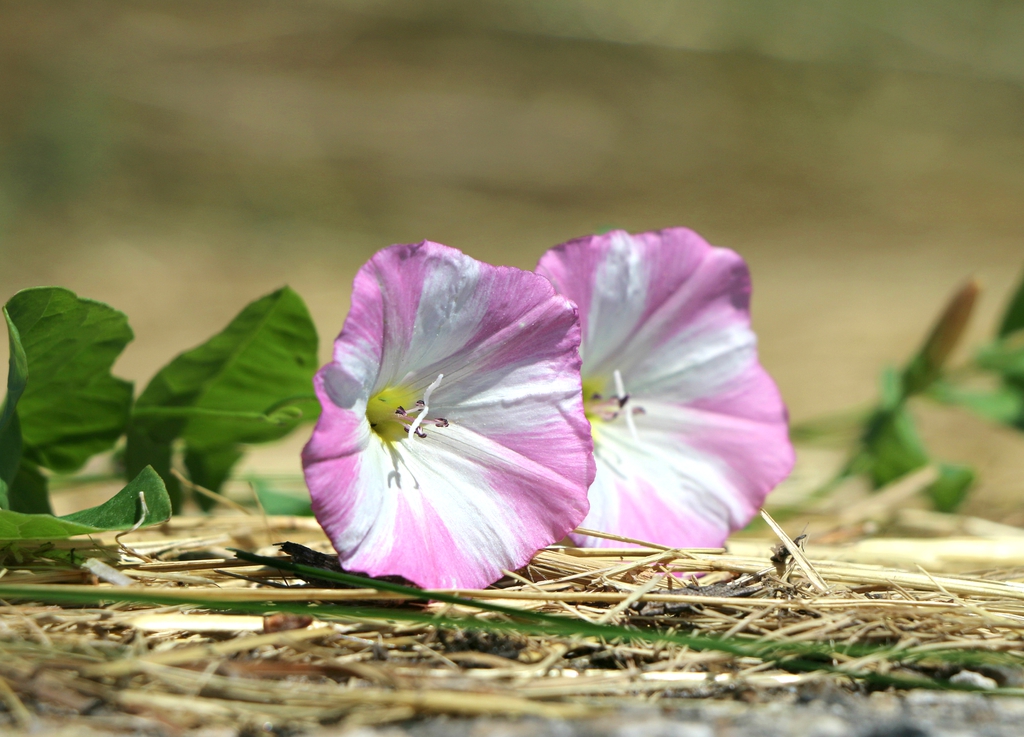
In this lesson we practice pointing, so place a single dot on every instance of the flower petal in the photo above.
(692, 474)
(450, 510)
(646, 300)
(670, 313)
(509, 473)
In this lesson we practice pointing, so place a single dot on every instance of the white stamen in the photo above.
(620, 394)
(631, 424)
(620, 387)
(426, 405)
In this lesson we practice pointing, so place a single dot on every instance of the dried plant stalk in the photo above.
(409, 656)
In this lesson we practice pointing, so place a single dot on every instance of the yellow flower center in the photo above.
(593, 398)
(396, 413)
(385, 411)
(600, 407)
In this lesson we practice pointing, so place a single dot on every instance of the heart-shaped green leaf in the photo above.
(120, 512)
(247, 384)
(71, 407)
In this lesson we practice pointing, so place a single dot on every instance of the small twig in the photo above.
(211, 495)
(142, 518)
(632, 598)
(542, 593)
(973, 608)
(609, 536)
(14, 705)
(891, 497)
(263, 512)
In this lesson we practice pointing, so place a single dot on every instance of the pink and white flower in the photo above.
(453, 442)
(690, 433)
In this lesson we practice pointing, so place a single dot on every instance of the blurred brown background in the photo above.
(178, 159)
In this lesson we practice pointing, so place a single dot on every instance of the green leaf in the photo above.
(71, 407)
(1017, 385)
(891, 394)
(279, 416)
(120, 512)
(1004, 404)
(10, 427)
(230, 389)
(28, 492)
(951, 488)
(893, 446)
(210, 469)
(123, 509)
(1004, 357)
(1013, 318)
(141, 451)
(280, 502)
(10, 458)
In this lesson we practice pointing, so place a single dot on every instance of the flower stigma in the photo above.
(390, 419)
(600, 409)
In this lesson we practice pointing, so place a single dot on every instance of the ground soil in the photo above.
(880, 715)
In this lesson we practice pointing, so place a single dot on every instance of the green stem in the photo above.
(298, 398)
(187, 412)
(63, 483)
(830, 426)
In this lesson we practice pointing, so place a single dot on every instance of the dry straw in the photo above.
(574, 631)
